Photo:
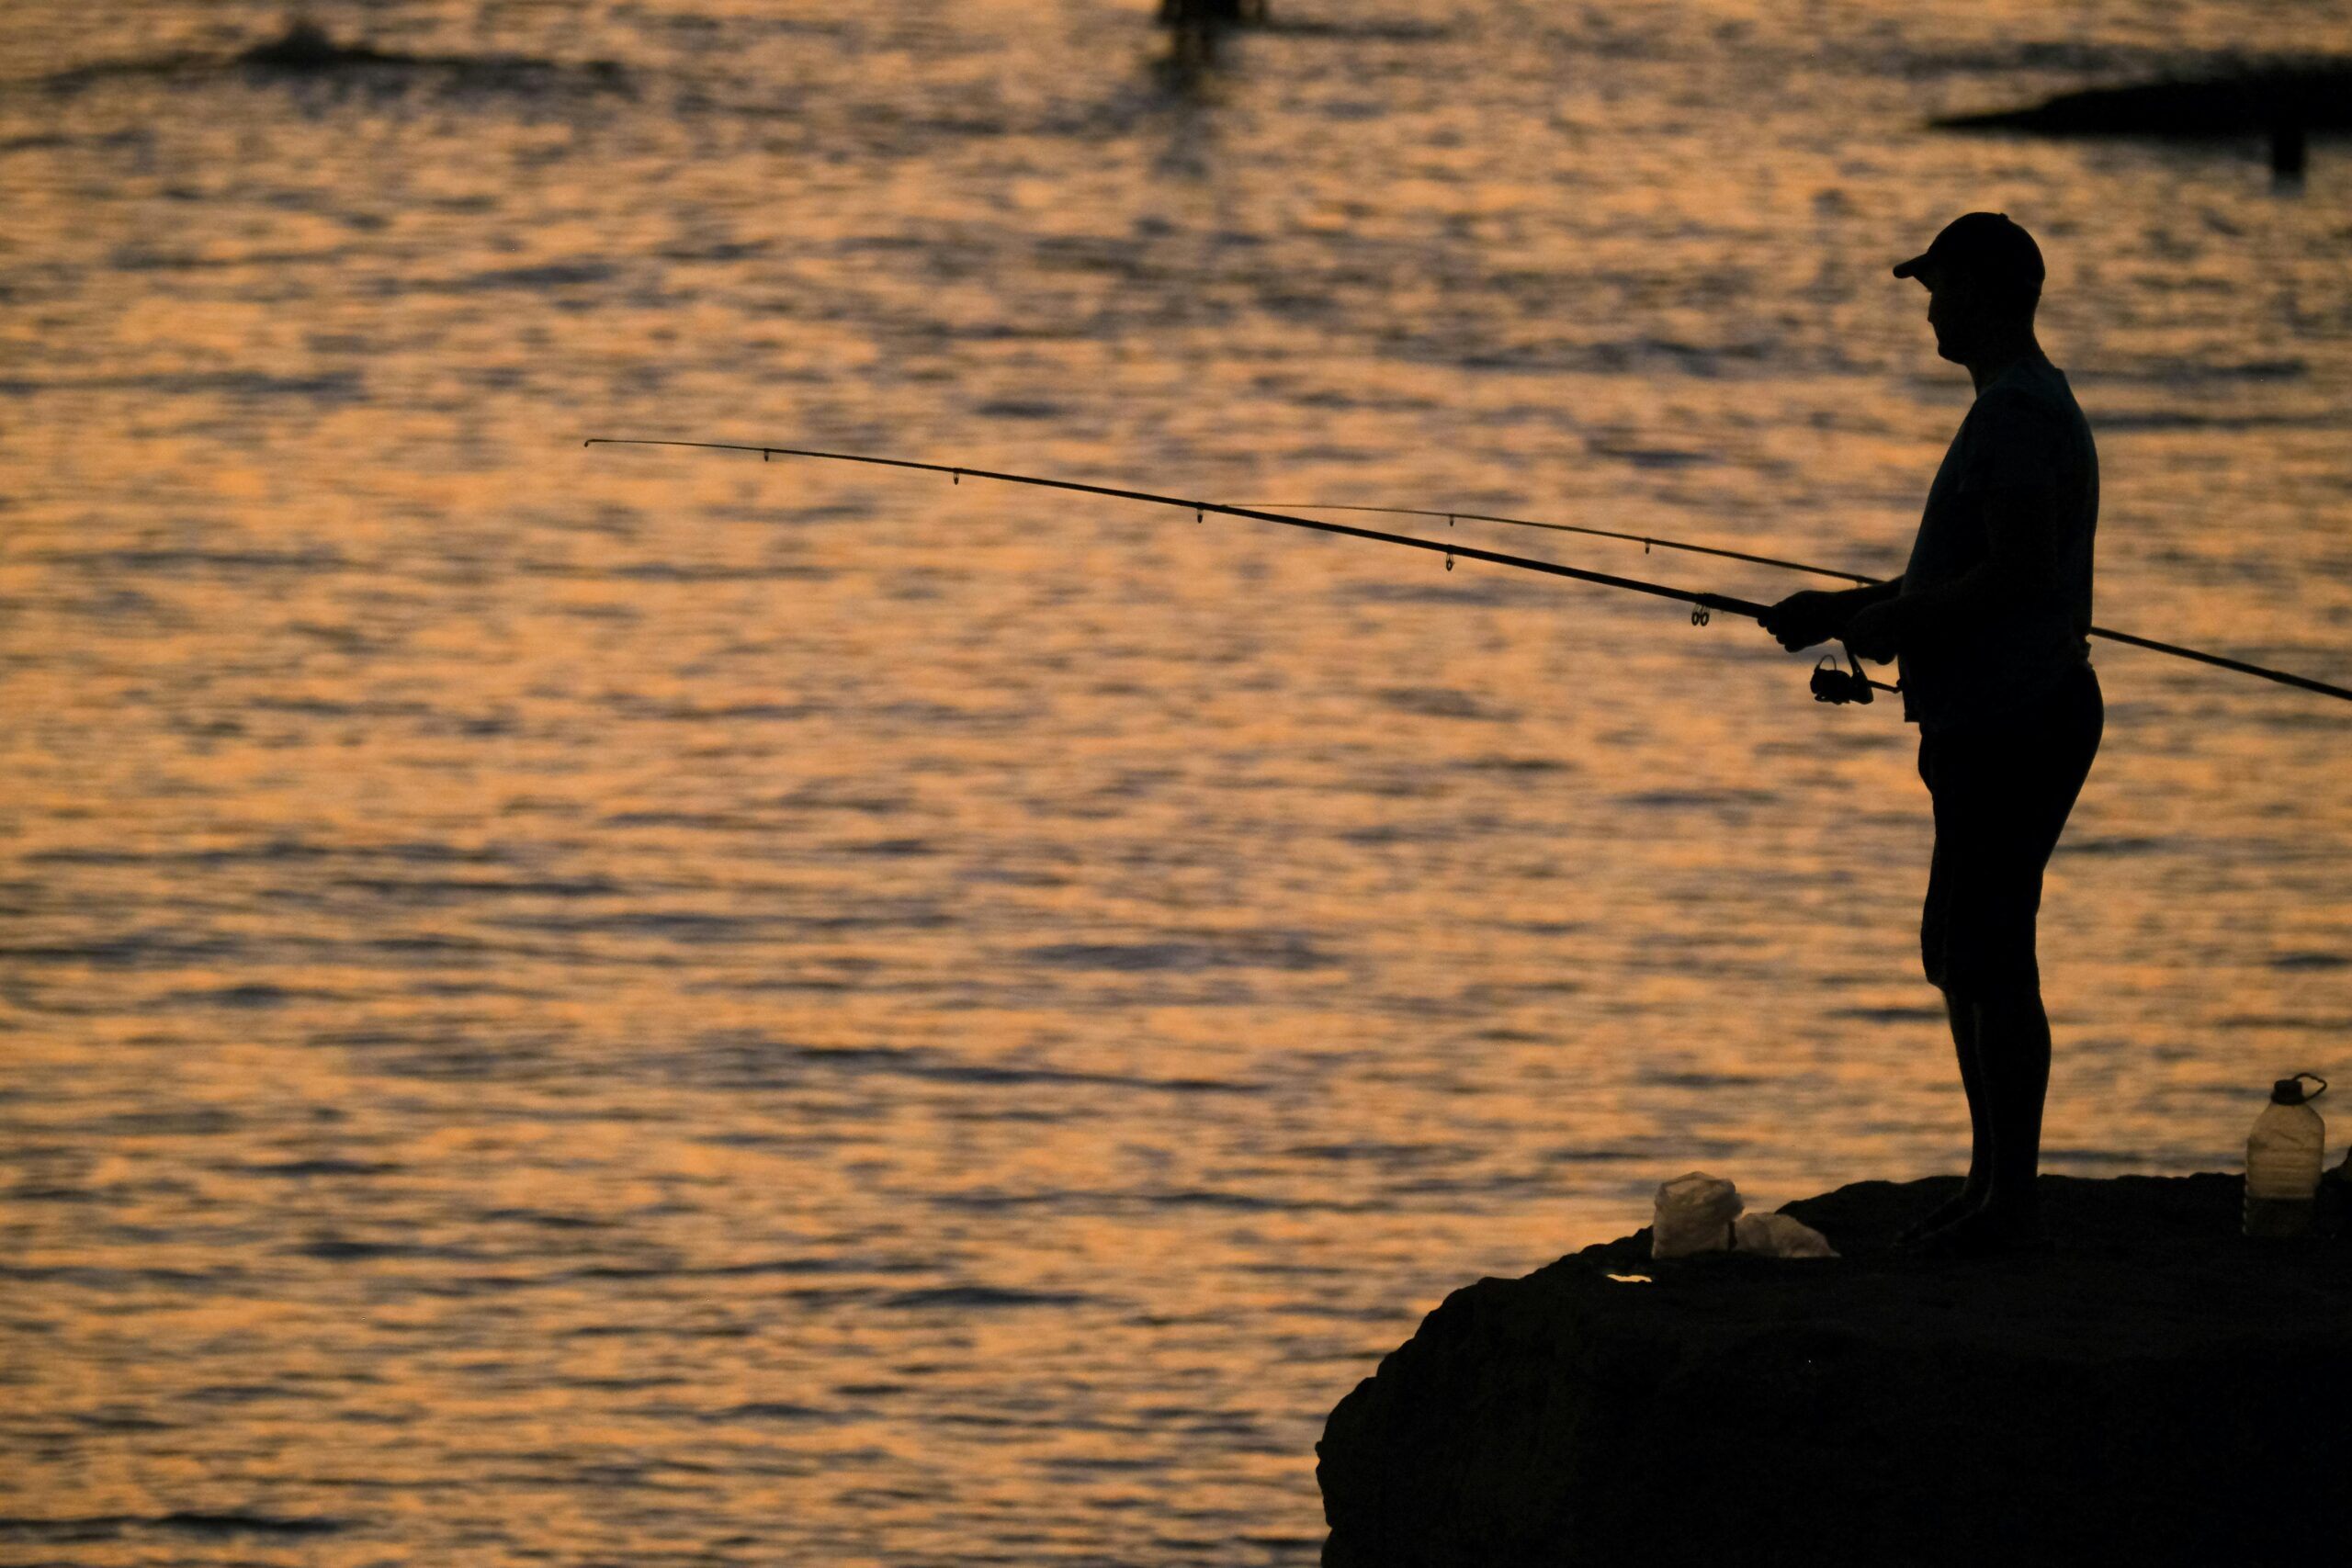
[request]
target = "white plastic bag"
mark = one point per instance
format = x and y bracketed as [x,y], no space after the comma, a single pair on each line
[1694,1215]
[1781,1236]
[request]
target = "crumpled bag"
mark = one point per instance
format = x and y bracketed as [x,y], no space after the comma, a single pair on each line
[1779,1235]
[1694,1215]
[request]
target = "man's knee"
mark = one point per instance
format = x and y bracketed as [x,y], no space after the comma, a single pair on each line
[1997,994]
[2003,1015]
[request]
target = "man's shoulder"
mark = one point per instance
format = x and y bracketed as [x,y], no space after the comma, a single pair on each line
[2026,430]
[2025,407]
[2032,389]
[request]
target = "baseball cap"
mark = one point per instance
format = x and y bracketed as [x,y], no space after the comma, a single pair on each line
[1987,246]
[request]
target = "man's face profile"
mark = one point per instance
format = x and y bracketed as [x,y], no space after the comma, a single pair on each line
[1949,311]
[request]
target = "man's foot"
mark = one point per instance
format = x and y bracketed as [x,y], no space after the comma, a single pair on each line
[1965,1202]
[1985,1233]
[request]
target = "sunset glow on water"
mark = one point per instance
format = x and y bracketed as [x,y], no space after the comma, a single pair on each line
[629,1006]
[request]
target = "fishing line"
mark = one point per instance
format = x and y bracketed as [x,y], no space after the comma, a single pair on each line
[2218,660]
[1645,540]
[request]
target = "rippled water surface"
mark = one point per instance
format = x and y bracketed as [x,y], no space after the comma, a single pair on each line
[632,1006]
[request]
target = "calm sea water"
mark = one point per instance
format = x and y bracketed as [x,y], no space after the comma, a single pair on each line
[624,1006]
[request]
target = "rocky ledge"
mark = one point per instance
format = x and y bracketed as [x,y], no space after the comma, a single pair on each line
[2157,1389]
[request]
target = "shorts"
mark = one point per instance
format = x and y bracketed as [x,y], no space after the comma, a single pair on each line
[2001,795]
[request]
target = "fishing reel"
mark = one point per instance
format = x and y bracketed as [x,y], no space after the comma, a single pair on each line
[1831,684]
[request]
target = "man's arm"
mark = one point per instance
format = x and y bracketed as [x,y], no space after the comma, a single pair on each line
[1869,594]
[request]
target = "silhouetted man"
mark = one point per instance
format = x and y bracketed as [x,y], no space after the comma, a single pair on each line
[1989,623]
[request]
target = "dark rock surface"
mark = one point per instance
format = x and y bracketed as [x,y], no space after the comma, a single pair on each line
[2315,96]
[2155,1389]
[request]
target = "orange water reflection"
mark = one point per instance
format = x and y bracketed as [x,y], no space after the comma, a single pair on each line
[628,1006]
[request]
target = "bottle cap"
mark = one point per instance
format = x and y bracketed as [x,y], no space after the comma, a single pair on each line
[2289,1091]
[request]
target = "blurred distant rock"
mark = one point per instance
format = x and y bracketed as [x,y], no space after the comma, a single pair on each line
[2313,96]
[305,49]
[2158,1389]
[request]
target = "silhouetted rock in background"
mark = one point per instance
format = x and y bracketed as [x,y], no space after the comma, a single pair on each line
[2315,96]
[305,52]
[2157,1390]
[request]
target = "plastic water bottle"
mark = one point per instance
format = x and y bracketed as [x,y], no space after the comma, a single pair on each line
[2282,1161]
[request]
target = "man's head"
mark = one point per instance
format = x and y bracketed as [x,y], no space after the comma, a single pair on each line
[1982,275]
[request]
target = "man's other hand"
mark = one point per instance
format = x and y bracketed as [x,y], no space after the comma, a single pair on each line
[1802,619]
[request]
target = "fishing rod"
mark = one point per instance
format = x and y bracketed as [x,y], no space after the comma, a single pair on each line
[1829,684]
[2283,677]
[1703,605]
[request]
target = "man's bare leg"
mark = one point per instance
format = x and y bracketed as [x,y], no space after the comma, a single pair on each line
[2013,1042]
[1961,1012]
[2012,1036]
